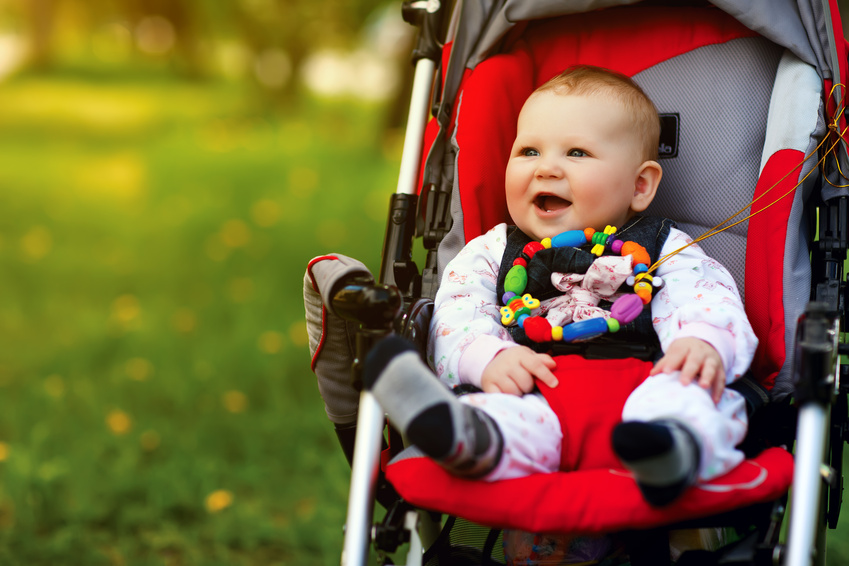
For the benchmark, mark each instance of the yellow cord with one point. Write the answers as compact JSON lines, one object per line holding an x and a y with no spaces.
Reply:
{"x":832,"y":129}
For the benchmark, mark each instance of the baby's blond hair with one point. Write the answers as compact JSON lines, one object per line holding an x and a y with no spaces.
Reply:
{"x":586,"y":80}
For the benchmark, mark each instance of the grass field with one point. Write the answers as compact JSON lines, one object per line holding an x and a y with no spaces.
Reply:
{"x":156,"y":403}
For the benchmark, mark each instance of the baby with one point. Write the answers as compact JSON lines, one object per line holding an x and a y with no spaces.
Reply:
{"x":584,"y":157}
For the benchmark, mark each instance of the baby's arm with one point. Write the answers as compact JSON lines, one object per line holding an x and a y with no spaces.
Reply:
{"x":700,"y":301}
{"x":513,"y":371}
{"x":466,"y":331}
{"x":697,"y":360}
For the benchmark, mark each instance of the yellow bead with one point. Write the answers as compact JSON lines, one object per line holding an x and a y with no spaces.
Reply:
{"x":546,"y":243}
{"x":557,"y":333}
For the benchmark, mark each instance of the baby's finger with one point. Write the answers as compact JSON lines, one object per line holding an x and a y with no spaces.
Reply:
{"x":670,"y":362}
{"x":707,"y":376}
{"x":718,"y":386}
{"x":508,"y":387}
{"x":690,"y":371}
{"x":522,"y":382}
{"x":547,"y":377}
{"x":539,"y":368}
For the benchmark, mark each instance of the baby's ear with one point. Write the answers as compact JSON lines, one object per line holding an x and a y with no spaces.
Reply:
{"x":645,"y":186}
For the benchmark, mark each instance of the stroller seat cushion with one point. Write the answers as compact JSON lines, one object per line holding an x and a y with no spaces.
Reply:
{"x":593,"y":493}
{"x":593,"y":501}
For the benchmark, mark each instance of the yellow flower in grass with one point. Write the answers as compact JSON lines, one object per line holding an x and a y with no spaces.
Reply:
{"x":119,"y":422}
{"x":235,"y":401}
{"x":271,"y":342}
{"x":4,"y":451}
{"x":218,"y":500}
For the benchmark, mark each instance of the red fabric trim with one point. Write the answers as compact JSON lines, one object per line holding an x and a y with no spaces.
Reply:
{"x":588,"y":402}
{"x":587,"y":501}
{"x":629,"y":39}
{"x":767,"y":234}
{"x":323,"y":310}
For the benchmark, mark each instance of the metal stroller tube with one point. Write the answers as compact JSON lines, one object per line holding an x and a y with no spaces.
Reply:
{"x":358,"y":522}
{"x":416,"y":121}
{"x":806,"y":505}
{"x":375,"y":308}
{"x":815,"y":384}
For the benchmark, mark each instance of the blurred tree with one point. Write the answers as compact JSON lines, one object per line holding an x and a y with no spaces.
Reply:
{"x":182,"y":31}
{"x":40,"y":15}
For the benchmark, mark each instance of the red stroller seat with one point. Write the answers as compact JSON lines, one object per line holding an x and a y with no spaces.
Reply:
{"x":743,"y":114}
{"x":641,"y":42}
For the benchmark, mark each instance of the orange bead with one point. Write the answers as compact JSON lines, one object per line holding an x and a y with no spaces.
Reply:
{"x":636,"y":251}
{"x":643,"y":291}
{"x":588,"y":234}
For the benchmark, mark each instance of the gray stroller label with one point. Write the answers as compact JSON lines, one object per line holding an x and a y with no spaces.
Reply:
{"x":668,"y":145}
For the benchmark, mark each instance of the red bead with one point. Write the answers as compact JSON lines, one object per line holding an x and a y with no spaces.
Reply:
{"x":531,"y":248}
{"x":537,"y":329}
{"x":520,"y":261}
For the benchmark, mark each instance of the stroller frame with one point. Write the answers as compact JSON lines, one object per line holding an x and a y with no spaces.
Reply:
{"x":821,"y":383}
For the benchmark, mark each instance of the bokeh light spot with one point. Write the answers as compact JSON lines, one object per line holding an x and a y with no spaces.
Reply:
{"x":155,"y":35}
{"x":298,"y":333}
{"x":184,"y":320}
{"x":119,"y":422}
{"x":302,"y":181}
{"x":218,"y":500}
{"x":150,"y":440}
{"x":54,"y":385}
{"x":235,"y":233}
{"x":270,"y":342}
{"x":235,"y":401}
{"x":265,"y":213}
{"x":272,"y":68}
{"x":138,"y":369}
{"x":36,"y":243}
{"x":126,"y":308}
{"x":122,"y":175}
{"x":305,"y":508}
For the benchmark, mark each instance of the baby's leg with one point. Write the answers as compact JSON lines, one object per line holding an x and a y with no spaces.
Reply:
{"x":530,"y":431}
{"x":701,"y":435}
{"x":496,"y":436}
{"x":461,"y":438}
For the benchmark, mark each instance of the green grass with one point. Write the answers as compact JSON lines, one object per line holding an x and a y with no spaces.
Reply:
{"x":156,"y":402}
{"x":153,"y":239}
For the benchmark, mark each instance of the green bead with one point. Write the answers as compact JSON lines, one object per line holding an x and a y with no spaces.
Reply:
{"x":516,"y":280}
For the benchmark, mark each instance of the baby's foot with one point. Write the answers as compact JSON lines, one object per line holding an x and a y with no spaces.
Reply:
{"x":663,"y":455}
{"x":461,"y":438}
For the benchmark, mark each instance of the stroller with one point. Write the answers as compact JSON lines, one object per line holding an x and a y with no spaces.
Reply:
{"x":751,"y":98}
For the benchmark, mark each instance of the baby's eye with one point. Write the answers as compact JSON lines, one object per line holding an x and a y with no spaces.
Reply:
{"x":577,"y":153}
{"x":528,"y":152}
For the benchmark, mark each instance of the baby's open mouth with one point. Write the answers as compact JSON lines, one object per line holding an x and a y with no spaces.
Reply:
{"x":551,"y":203}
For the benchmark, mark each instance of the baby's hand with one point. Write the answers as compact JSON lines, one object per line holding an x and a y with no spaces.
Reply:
{"x":513,"y":371}
{"x":696,"y":359}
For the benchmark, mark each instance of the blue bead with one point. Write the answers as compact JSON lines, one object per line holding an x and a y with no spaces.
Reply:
{"x":569,"y":238}
{"x":521,"y":320}
{"x":640,"y":268}
{"x":584,"y":329}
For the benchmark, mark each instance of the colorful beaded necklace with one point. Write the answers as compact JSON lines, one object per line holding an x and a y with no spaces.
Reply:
{"x":518,"y":307}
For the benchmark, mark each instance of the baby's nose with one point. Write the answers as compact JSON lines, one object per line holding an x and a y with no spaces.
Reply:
{"x":549,"y":168}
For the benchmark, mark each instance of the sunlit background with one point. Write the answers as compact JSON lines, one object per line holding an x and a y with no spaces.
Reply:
{"x":167,"y":169}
